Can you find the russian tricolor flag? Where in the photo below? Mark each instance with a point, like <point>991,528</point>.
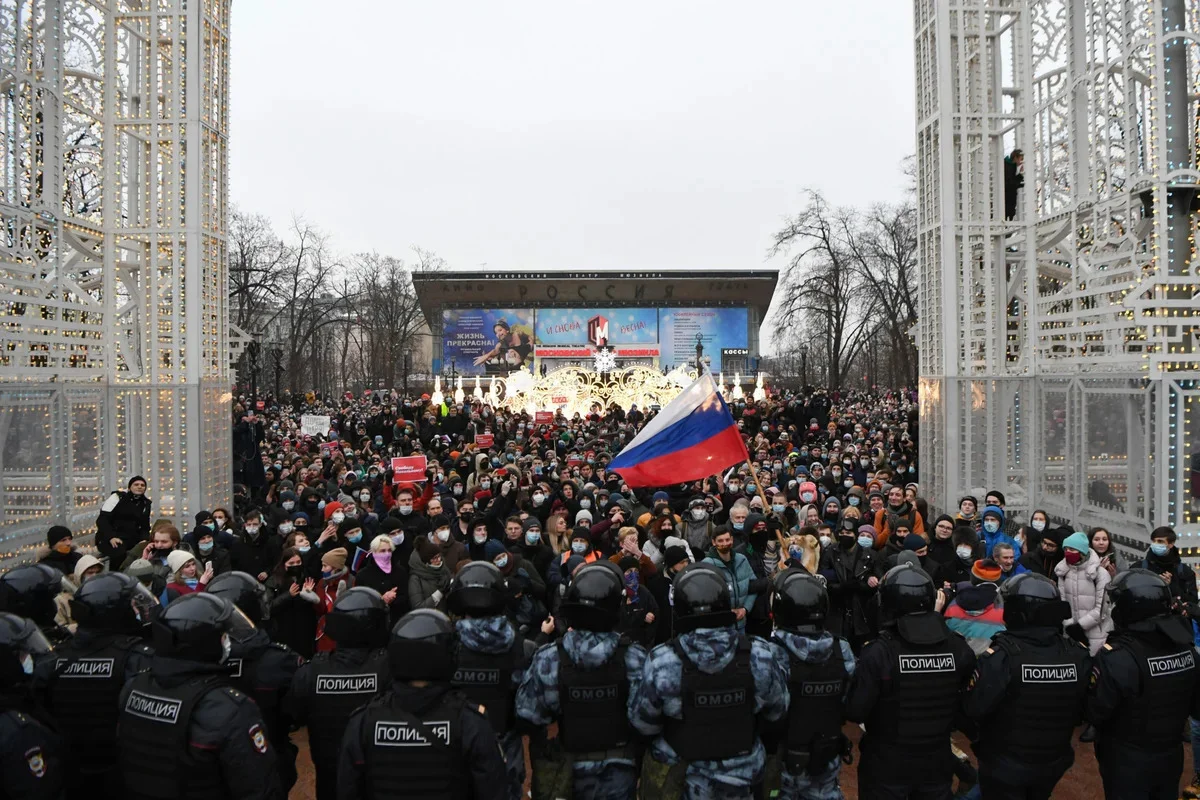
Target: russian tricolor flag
<point>692,438</point>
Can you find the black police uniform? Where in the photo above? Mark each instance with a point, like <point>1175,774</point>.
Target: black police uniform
<point>31,754</point>
<point>413,742</point>
<point>1027,694</point>
<point>264,670</point>
<point>908,696</point>
<point>325,692</point>
<point>486,679</point>
<point>186,734</point>
<point>1144,686</point>
<point>592,703</point>
<point>82,687</point>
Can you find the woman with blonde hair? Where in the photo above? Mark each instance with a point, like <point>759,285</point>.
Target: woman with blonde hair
<point>558,532</point>
<point>388,576</point>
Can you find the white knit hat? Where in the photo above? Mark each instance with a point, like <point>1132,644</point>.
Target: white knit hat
<point>178,559</point>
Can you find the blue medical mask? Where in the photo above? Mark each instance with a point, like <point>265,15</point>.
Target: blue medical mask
<point>991,525</point>
<point>533,537</point>
<point>501,560</point>
<point>206,547</point>
<point>778,508</point>
<point>737,526</point>
<point>865,541</point>
<point>354,538</point>
<point>579,547</point>
<point>1160,549</point>
<point>305,549</point>
<point>853,501</point>
<point>191,583</point>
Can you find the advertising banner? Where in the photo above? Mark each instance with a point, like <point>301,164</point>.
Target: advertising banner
<point>721,328</point>
<point>487,341</point>
<point>596,326</point>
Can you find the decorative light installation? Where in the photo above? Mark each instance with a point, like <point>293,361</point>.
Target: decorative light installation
<point>1057,324</point>
<point>604,360</point>
<point>113,277</point>
<point>760,392</point>
<point>459,394</point>
<point>477,394</point>
<point>436,398</point>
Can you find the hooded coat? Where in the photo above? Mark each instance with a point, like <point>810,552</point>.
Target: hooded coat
<point>1082,585</point>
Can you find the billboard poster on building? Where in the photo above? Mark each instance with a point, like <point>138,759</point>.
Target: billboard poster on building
<point>721,328</point>
<point>596,326</point>
<point>487,341</point>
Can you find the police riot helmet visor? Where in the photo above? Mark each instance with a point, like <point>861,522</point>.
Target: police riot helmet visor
<point>1137,595</point>
<point>22,635</point>
<point>593,599</point>
<point>194,626</point>
<point>478,590</point>
<point>29,591</point>
<point>1032,600</point>
<point>245,592</point>
<point>906,589</point>
<point>701,599</point>
<point>422,646</point>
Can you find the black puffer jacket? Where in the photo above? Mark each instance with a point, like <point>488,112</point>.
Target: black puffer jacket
<point>124,516</point>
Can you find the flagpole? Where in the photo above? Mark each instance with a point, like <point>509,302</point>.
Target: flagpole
<point>758,485</point>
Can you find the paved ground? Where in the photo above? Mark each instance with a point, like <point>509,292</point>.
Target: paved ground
<point>1081,783</point>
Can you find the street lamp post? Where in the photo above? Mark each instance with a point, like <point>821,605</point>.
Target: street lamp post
<point>803,365</point>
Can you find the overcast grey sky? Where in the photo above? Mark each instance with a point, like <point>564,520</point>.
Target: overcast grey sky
<point>555,135</point>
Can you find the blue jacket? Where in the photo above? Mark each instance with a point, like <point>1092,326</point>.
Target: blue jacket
<point>990,540</point>
<point>738,574</point>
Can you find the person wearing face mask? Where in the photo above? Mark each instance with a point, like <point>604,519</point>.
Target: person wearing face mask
<point>760,536</point>
<point>453,551</point>
<point>1162,558</point>
<point>1043,558</point>
<point>992,531</point>
<point>697,525</point>
<point>428,578</point>
<point>60,551</point>
<point>386,570</point>
<point>966,552</point>
<point>293,604</point>
<point>186,575</point>
<point>535,552</point>
<point>251,548</point>
<point>852,576</point>
<point>210,552</point>
<point>184,732</point>
<point>738,574</point>
<point>1081,582</point>
<point>32,750</point>
<point>284,509</point>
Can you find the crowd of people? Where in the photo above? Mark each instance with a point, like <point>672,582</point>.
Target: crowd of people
<point>739,620</point>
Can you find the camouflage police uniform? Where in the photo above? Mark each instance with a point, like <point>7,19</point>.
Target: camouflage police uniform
<point>658,697</point>
<point>821,784</point>
<point>611,778</point>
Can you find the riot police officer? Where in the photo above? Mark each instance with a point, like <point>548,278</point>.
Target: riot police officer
<point>702,695</point>
<point>490,658</point>
<point>84,680</point>
<point>818,666</point>
<point>29,591</point>
<point>1142,689</point>
<point>1027,693</point>
<point>583,683</point>
<point>259,667</point>
<point>331,686</point>
<point>31,759</point>
<point>184,733</point>
<point>906,689</point>
<point>422,739</point>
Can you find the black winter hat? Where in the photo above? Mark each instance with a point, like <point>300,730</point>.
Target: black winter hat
<point>965,534</point>
<point>134,479</point>
<point>57,533</point>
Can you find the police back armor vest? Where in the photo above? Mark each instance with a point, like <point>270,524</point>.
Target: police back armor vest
<point>415,757</point>
<point>339,688</point>
<point>155,743</point>
<point>487,680</point>
<point>723,702</point>
<point>244,662</point>
<point>1043,702</point>
<point>592,703</point>
<point>84,693</point>
<point>918,708</point>
<point>814,729</point>
<point>1152,717</point>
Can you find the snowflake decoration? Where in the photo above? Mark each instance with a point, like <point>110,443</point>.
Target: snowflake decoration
<point>605,360</point>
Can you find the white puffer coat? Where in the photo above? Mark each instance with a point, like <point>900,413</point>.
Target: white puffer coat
<point>1083,585</point>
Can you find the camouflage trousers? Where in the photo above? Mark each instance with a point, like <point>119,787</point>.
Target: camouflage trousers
<point>662,781</point>
<point>804,786</point>
<point>561,780</point>
<point>512,745</point>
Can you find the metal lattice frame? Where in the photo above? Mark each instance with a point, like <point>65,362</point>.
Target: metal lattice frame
<point>113,281</point>
<point>1059,352</point>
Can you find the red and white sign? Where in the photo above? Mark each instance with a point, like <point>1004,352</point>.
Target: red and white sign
<point>543,417</point>
<point>260,405</point>
<point>484,439</point>
<point>628,351</point>
<point>408,469</point>
<point>598,330</point>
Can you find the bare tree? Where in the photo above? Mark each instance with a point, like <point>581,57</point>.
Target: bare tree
<point>821,285</point>
<point>256,260</point>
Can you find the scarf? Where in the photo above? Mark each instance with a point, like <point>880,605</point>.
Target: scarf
<point>383,560</point>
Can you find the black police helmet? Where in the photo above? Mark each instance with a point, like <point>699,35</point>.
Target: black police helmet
<point>245,592</point>
<point>701,599</point>
<point>113,601</point>
<point>422,647</point>
<point>593,599</point>
<point>19,638</point>
<point>359,618</point>
<point>1137,595</point>
<point>1031,600</point>
<point>799,600</point>
<point>478,590</point>
<point>194,627</point>
<point>29,591</point>
<point>906,589</point>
